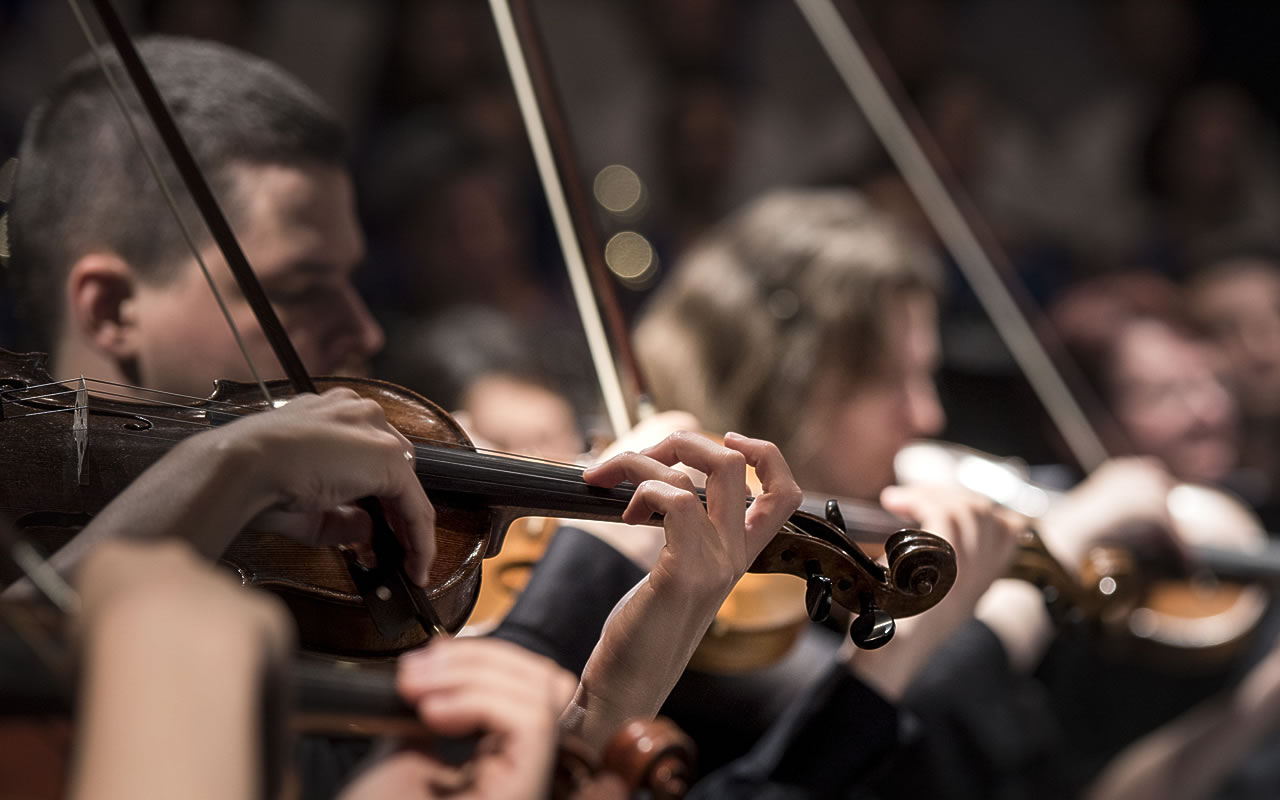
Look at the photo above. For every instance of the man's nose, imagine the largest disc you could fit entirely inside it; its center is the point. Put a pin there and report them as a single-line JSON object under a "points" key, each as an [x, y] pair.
{"points": [[924, 410], [361, 337]]}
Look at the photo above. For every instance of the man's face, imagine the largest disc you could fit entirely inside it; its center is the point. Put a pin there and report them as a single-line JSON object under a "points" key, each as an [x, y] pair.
{"points": [[299, 232], [864, 429], [1170, 401], [1241, 310]]}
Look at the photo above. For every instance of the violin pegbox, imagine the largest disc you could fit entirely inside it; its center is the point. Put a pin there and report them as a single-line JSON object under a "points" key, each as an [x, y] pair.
{"points": [[919, 571]]}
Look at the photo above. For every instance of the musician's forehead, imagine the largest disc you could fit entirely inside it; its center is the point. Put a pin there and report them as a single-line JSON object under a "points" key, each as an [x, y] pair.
{"points": [[300, 217]]}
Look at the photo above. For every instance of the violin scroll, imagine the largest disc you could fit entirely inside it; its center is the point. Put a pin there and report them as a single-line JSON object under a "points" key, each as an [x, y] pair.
{"points": [[652, 756], [921, 569]]}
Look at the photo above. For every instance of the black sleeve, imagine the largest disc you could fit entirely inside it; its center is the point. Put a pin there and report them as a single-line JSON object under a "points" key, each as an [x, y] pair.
{"points": [[823, 746], [985, 731], [570, 593]]}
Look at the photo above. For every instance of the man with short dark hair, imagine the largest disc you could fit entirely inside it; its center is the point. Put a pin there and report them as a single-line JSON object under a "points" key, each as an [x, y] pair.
{"points": [[106, 282]]}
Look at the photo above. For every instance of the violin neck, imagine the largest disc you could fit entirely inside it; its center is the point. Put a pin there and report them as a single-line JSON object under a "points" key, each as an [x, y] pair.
{"points": [[865, 521], [1242, 566], [523, 487], [361, 702], [518, 486]]}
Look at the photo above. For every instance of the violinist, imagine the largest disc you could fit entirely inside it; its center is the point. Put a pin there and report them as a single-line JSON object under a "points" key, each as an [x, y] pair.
{"points": [[810, 305], [842, 280], [168, 714], [1235, 300], [119, 299], [103, 278], [305, 460], [109, 290]]}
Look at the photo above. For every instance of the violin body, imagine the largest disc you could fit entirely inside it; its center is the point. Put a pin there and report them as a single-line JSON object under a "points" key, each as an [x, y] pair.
{"points": [[53, 489], [67, 453], [1140, 600]]}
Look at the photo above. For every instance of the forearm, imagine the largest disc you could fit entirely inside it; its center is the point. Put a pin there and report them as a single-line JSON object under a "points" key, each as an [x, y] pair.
{"points": [[160, 718], [219, 493], [642, 652], [1015, 612], [563, 609]]}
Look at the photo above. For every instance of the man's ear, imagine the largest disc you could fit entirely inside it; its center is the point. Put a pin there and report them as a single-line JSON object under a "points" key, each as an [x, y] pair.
{"points": [[101, 292]]}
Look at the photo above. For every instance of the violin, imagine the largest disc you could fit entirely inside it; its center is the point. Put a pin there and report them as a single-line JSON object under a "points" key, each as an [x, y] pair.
{"points": [[758, 623], [652, 758], [1143, 598], [68, 451], [1138, 599]]}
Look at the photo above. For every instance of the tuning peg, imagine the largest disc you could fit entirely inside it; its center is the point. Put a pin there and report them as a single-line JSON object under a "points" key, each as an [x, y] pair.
{"points": [[817, 594], [873, 628], [834, 516]]}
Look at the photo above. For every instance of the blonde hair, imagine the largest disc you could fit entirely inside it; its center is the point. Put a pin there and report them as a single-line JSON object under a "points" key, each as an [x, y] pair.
{"points": [[759, 316]]}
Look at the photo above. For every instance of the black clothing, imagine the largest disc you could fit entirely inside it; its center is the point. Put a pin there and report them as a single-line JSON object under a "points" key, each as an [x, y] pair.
{"points": [[810, 727], [570, 593], [984, 730], [826, 743]]}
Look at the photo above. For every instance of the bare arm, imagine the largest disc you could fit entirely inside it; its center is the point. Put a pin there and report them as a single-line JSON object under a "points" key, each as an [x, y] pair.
{"points": [[647, 643], [983, 538], [173, 662], [1123, 498]]}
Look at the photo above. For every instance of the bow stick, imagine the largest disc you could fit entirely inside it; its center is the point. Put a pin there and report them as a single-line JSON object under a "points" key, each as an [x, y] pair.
{"points": [[979, 257], [565, 190], [395, 603]]}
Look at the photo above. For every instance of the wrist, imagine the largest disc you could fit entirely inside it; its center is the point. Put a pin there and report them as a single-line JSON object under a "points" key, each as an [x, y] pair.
{"points": [[228, 644], [240, 469], [1063, 533], [1015, 612], [697, 592]]}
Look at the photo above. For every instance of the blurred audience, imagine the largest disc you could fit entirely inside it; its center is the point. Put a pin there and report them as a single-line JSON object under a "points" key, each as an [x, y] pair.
{"points": [[478, 364], [1236, 301]]}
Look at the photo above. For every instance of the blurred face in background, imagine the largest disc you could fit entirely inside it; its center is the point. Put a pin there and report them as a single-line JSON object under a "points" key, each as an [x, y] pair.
{"points": [[1166, 394], [861, 430], [1238, 304], [517, 416]]}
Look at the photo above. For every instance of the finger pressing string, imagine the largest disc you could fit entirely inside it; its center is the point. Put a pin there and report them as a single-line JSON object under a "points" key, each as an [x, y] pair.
{"points": [[636, 468], [725, 469], [779, 497]]}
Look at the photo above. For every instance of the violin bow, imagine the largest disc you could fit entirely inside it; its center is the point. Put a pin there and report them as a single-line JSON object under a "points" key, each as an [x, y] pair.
{"points": [[395, 603], [564, 188], [51, 587], [865, 72]]}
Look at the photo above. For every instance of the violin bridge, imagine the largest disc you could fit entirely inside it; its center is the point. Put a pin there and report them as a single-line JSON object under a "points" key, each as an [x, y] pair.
{"points": [[80, 428]]}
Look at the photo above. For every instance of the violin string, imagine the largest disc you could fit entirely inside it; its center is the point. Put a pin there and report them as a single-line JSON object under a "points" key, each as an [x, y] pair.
{"points": [[453, 456], [229, 407], [568, 474], [427, 451], [225, 405], [448, 453], [140, 415], [187, 397], [445, 446], [489, 474], [99, 381], [33, 398]]}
